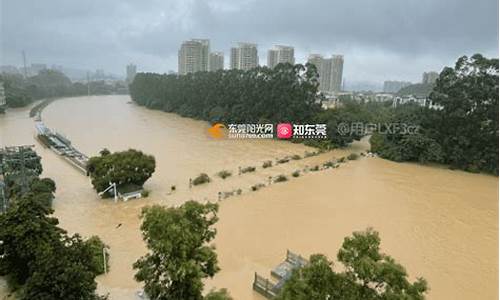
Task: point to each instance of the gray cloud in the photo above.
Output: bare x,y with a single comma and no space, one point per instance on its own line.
385,39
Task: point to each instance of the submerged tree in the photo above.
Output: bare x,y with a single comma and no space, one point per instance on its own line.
126,167
368,274
179,256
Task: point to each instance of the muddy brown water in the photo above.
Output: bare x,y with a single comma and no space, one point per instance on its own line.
440,224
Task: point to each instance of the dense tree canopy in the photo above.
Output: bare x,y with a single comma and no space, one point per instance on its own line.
464,132
286,93
467,126
21,91
366,274
21,170
40,260
412,140
122,168
179,256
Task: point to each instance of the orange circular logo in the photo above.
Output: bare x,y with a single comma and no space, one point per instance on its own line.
217,131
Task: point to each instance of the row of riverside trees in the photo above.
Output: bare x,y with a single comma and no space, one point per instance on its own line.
287,93
463,133
40,260
21,91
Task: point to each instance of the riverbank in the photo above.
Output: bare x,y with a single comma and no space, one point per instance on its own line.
36,110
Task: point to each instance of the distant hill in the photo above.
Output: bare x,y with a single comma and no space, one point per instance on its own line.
417,89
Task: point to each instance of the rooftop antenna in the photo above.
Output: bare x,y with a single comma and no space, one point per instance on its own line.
24,63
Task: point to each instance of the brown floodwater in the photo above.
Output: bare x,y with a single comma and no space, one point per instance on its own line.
440,224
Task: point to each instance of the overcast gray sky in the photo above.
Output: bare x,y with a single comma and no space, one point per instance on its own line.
380,39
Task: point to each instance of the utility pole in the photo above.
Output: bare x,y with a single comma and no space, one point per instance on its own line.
24,63
104,260
88,84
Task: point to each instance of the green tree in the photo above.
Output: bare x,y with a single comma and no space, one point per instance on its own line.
367,274
462,131
25,229
63,270
122,168
379,275
179,256
468,122
40,259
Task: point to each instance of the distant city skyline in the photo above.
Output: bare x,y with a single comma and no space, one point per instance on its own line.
381,40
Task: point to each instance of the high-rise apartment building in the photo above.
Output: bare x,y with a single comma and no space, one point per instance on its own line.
131,71
280,54
330,71
234,58
193,56
205,53
337,68
216,61
430,77
244,57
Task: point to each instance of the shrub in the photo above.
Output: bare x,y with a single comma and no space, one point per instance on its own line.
315,168
329,164
296,157
257,187
280,178
267,164
341,160
353,156
200,179
283,160
144,193
248,169
296,173
309,154
224,174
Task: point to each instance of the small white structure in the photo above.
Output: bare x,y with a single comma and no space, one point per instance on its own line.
124,195
422,101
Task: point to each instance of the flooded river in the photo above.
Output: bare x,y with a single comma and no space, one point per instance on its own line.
440,224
